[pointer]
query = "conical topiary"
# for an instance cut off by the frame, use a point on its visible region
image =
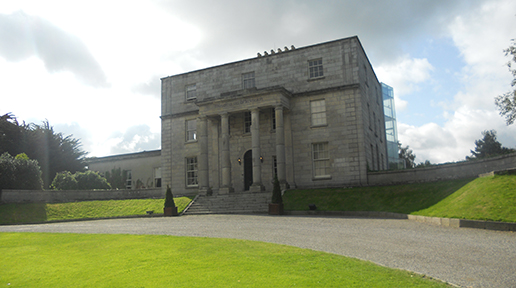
(276, 192)
(169, 198)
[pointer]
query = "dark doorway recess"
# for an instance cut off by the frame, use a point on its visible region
(248, 169)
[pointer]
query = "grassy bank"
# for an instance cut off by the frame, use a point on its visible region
(96, 260)
(42, 212)
(490, 198)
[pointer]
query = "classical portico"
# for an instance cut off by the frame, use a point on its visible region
(220, 110)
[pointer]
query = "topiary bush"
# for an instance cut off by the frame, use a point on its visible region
(276, 192)
(169, 198)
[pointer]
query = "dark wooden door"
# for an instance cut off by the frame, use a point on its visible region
(248, 169)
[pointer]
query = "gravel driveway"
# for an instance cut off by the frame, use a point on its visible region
(461, 256)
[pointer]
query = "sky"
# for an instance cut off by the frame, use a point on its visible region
(93, 68)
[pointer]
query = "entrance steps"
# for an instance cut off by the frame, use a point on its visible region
(233, 203)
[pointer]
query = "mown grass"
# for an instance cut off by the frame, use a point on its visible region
(490, 198)
(42, 212)
(96, 260)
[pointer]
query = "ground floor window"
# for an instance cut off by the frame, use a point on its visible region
(321, 160)
(157, 177)
(129, 180)
(191, 171)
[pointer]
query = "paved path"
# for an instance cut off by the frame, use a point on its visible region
(465, 257)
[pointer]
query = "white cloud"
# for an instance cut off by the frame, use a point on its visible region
(405, 75)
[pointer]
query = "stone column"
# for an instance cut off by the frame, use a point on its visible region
(204, 182)
(280, 147)
(225, 159)
(257, 164)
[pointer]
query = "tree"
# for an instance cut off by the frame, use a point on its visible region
(488, 146)
(64, 181)
(117, 178)
(19, 172)
(507, 102)
(406, 155)
(11, 135)
(54, 152)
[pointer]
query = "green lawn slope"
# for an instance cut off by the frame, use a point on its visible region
(490, 198)
(42, 212)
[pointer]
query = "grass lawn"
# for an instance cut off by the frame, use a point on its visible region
(97, 260)
(490, 198)
(41, 212)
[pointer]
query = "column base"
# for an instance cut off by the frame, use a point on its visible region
(226, 190)
(205, 191)
(256, 188)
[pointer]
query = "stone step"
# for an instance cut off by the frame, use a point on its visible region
(236, 203)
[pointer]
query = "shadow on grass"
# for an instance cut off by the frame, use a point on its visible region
(22, 213)
(404, 199)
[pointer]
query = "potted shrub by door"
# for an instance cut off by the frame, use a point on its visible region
(276, 205)
(170, 206)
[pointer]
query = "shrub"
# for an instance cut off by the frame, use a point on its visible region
(64, 181)
(169, 198)
(90, 180)
(19, 173)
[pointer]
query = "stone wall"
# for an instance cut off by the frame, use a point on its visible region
(466, 169)
(52, 196)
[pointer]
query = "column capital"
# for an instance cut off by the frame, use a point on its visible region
(255, 109)
(278, 107)
(224, 114)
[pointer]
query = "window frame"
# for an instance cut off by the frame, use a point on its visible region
(157, 180)
(191, 172)
(314, 113)
(315, 68)
(189, 91)
(247, 122)
(129, 180)
(190, 134)
(248, 80)
(316, 158)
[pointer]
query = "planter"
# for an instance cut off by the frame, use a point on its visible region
(275, 209)
(170, 211)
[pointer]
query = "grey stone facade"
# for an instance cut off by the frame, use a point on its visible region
(313, 116)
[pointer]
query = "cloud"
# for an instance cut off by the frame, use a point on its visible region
(23, 36)
(152, 87)
(75, 131)
(405, 75)
(135, 138)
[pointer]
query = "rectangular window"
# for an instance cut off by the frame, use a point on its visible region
(191, 130)
(248, 80)
(191, 172)
(315, 68)
(191, 92)
(274, 166)
(129, 180)
(273, 119)
(157, 177)
(247, 122)
(318, 110)
(321, 160)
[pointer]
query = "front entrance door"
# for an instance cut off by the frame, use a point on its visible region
(248, 169)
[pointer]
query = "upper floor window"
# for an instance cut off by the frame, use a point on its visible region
(191, 130)
(247, 122)
(318, 110)
(248, 80)
(273, 119)
(191, 92)
(315, 68)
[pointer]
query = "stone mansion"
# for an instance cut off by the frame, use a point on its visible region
(312, 116)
